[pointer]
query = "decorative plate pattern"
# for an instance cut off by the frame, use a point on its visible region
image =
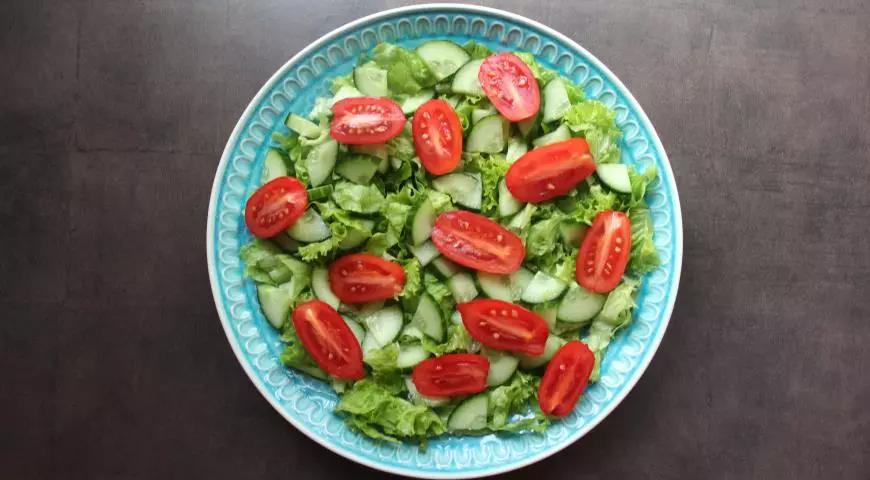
(308, 403)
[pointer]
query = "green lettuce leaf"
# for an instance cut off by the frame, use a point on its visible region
(376, 412)
(364, 199)
(639, 184)
(343, 81)
(477, 51)
(266, 263)
(324, 248)
(402, 146)
(377, 244)
(575, 92)
(458, 341)
(521, 222)
(542, 75)
(413, 279)
(295, 356)
(464, 105)
(492, 168)
(592, 115)
(440, 293)
(543, 236)
(385, 372)
(604, 148)
(407, 73)
(614, 315)
(511, 398)
(593, 202)
(644, 256)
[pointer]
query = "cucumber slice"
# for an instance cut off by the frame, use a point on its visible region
(384, 325)
(411, 330)
(412, 103)
(549, 316)
(580, 305)
(320, 161)
(355, 237)
(309, 228)
(519, 281)
(275, 302)
(358, 331)
(552, 346)
(368, 344)
(428, 318)
(543, 288)
(507, 203)
(361, 310)
(501, 366)
(508, 288)
(446, 267)
(464, 188)
(443, 58)
(274, 166)
(346, 91)
(421, 225)
(517, 147)
(466, 81)
(573, 233)
(462, 287)
(424, 253)
(322, 290)
(377, 150)
(456, 318)
(479, 114)
(359, 169)
(558, 135)
(615, 176)
(527, 126)
(469, 415)
(416, 398)
(556, 101)
(410, 356)
(303, 126)
(285, 242)
(371, 80)
(318, 194)
(487, 135)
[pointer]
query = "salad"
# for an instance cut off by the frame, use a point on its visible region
(450, 241)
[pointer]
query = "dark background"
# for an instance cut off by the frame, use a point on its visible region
(113, 115)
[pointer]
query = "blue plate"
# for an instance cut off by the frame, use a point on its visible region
(308, 403)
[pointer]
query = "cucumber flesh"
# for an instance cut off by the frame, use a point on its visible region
(573, 233)
(556, 101)
(487, 135)
(428, 318)
(275, 302)
(558, 135)
(519, 281)
(501, 367)
(359, 169)
(371, 80)
(580, 305)
(527, 126)
(424, 253)
(418, 399)
(285, 242)
(421, 225)
(346, 91)
(320, 162)
(309, 228)
(356, 237)
(464, 188)
(543, 288)
(322, 290)
(358, 331)
(552, 346)
(495, 286)
(303, 126)
(466, 81)
(470, 415)
(411, 330)
(369, 343)
(479, 114)
(274, 166)
(456, 318)
(410, 356)
(462, 287)
(384, 325)
(615, 176)
(361, 310)
(507, 203)
(443, 58)
(446, 267)
(412, 103)
(377, 150)
(549, 316)
(517, 147)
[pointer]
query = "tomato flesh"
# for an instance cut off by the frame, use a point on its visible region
(504, 326)
(362, 278)
(477, 242)
(366, 120)
(604, 252)
(275, 206)
(329, 340)
(437, 136)
(451, 375)
(510, 86)
(550, 171)
(565, 378)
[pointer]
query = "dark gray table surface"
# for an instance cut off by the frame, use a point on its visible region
(113, 115)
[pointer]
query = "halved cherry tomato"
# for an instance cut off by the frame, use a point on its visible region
(329, 340)
(437, 136)
(565, 378)
(366, 120)
(504, 326)
(275, 206)
(550, 171)
(362, 278)
(451, 375)
(510, 86)
(477, 242)
(604, 252)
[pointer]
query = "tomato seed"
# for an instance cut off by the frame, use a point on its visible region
(343, 272)
(495, 335)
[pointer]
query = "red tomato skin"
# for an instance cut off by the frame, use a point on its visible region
(573, 363)
(610, 231)
(360, 278)
(544, 173)
(498, 69)
(438, 121)
(348, 115)
(482, 318)
(290, 188)
(346, 346)
(456, 236)
(451, 375)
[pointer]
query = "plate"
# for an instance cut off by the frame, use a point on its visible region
(308, 403)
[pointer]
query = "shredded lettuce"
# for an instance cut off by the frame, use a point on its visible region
(364, 199)
(440, 293)
(295, 356)
(492, 168)
(343, 81)
(413, 279)
(591, 115)
(378, 413)
(407, 73)
(477, 51)
(511, 398)
(644, 256)
(614, 315)
(604, 148)
(542, 75)
(266, 263)
(593, 202)
(543, 236)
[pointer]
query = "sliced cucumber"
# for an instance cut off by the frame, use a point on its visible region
(527, 126)
(384, 325)
(556, 101)
(580, 305)
(320, 161)
(424, 253)
(309, 228)
(358, 331)
(346, 91)
(371, 80)
(361, 310)
(519, 281)
(615, 176)
(303, 126)
(464, 188)
(470, 415)
(443, 58)
(456, 318)
(409, 356)
(446, 267)
(549, 316)
(462, 287)
(322, 290)
(412, 103)
(552, 346)
(369, 343)
(428, 318)
(487, 135)
(318, 194)
(356, 237)
(275, 302)
(543, 288)
(501, 366)
(466, 81)
(377, 150)
(359, 169)
(421, 225)
(508, 288)
(573, 233)
(416, 398)
(507, 203)
(274, 166)
(479, 114)
(412, 330)
(558, 135)
(517, 147)
(285, 242)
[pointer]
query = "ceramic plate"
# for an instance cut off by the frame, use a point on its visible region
(308, 403)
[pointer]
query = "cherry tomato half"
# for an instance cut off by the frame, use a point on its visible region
(362, 278)
(275, 206)
(510, 86)
(550, 171)
(329, 340)
(366, 120)
(451, 375)
(565, 378)
(504, 326)
(437, 136)
(604, 252)
(477, 242)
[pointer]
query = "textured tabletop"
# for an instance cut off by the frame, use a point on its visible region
(113, 115)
